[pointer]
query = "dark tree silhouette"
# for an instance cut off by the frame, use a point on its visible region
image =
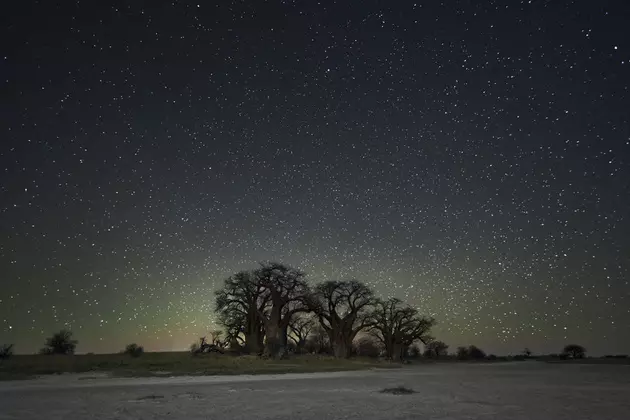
(397, 326)
(134, 350)
(287, 294)
(344, 308)
(6, 351)
(575, 351)
(476, 353)
(527, 352)
(60, 343)
(367, 347)
(470, 352)
(435, 349)
(299, 329)
(462, 353)
(414, 350)
(239, 304)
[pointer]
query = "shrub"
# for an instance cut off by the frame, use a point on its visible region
(134, 350)
(6, 351)
(60, 343)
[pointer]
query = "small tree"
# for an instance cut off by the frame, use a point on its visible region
(527, 352)
(475, 352)
(575, 351)
(367, 347)
(414, 350)
(134, 350)
(462, 353)
(435, 349)
(60, 343)
(6, 351)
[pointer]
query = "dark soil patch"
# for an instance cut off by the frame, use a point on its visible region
(399, 390)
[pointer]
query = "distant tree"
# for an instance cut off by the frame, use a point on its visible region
(435, 349)
(134, 350)
(527, 352)
(60, 343)
(462, 353)
(476, 353)
(6, 351)
(575, 351)
(397, 326)
(367, 347)
(343, 309)
(414, 350)
(299, 329)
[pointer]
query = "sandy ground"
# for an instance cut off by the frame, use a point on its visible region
(527, 390)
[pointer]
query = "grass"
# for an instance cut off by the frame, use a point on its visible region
(174, 364)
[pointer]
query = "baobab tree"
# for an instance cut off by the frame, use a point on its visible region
(239, 304)
(285, 294)
(397, 326)
(343, 309)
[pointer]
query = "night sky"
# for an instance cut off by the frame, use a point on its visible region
(470, 157)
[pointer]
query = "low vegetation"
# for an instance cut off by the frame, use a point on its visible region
(134, 350)
(60, 343)
(177, 364)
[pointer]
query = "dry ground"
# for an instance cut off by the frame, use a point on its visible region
(528, 390)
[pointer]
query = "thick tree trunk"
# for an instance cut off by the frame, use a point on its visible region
(275, 343)
(341, 349)
(252, 341)
(398, 352)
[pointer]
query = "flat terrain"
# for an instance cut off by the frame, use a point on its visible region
(174, 364)
(527, 390)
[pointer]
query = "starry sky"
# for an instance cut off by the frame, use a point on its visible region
(470, 157)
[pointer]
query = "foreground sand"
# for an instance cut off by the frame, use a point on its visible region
(527, 390)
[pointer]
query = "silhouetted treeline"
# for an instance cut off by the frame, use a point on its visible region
(273, 309)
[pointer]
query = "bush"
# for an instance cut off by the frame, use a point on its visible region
(60, 343)
(134, 350)
(6, 351)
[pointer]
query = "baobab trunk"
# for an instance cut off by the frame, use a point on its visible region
(252, 343)
(398, 352)
(275, 344)
(341, 349)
